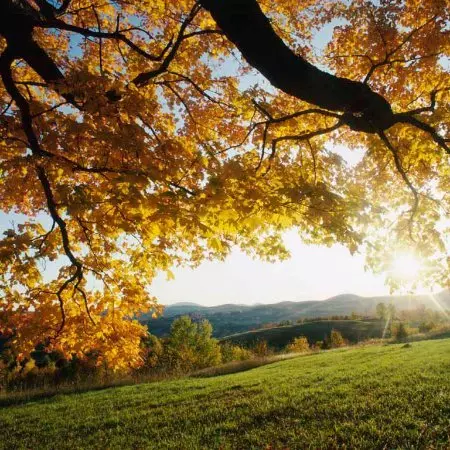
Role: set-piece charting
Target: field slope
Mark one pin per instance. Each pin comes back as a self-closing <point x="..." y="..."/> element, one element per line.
<point x="371" y="397"/>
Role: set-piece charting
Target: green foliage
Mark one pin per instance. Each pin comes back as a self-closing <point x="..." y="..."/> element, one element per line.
<point x="316" y="401"/>
<point x="381" y="311"/>
<point x="232" y="352"/>
<point x="427" y="326"/>
<point x="401" y="332"/>
<point x="153" y="351"/>
<point x="190" y="345"/>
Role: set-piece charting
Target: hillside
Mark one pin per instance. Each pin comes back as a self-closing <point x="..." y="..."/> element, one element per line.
<point x="278" y="337"/>
<point x="369" y="397"/>
<point x="230" y="318"/>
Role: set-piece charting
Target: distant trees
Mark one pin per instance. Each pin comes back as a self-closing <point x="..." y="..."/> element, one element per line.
<point x="188" y="348"/>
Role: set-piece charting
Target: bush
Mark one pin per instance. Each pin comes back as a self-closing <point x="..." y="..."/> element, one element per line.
<point x="153" y="351"/>
<point x="232" y="353"/>
<point x="261" y="349"/>
<point x="190" y="346"/>
<point x="298" y="345"/>
<point x="426" y="327"/>
<point x="401" y="332"/>
<point x="334" y="340"/>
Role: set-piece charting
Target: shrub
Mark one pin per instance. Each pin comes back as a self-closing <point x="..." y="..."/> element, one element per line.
<point x="401" y="333"/>
<point x="232" y="352"/>
<point x="261" y="349"/>
<point x="426" y="327"/>
<point x="190" y="346"/>
<point x="334" y="340"/>
<point x="153" y="351"/>
<point x="298" y="345"/>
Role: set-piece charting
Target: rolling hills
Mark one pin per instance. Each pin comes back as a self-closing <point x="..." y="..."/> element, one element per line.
<point x="388" y="396"/>
<point x="278" y="337"/>
<point x="232" y="318"/>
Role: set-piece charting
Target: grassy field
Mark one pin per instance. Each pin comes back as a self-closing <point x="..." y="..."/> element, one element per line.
<point x="278" y="337"/>
<point x="386" y="396"/>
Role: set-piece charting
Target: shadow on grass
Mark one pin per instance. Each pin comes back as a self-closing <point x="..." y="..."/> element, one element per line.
<point x="243" y="366"/>
<point x="22" y="396"/>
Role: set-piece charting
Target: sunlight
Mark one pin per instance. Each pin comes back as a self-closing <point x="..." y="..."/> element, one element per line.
<point x="406" y="266"/>
<point x="439" y="306"/>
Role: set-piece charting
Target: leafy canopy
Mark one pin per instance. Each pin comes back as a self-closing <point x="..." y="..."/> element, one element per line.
<point x="137" y="135"/>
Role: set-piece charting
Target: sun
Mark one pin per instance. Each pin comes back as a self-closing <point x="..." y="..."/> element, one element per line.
<point x="406" y="266"/>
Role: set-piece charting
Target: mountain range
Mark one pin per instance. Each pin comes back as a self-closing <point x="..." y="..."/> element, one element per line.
<point x="234" y="318"/>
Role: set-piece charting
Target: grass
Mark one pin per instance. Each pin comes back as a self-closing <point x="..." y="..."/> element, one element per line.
<point x="368" y="397"/>
<point x="241" y="366"/>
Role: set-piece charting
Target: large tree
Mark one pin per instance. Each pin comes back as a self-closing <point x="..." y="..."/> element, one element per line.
<point x="139" y="134"/>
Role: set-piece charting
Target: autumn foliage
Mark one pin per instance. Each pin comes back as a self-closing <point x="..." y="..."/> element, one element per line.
<point x="137" y="135"/>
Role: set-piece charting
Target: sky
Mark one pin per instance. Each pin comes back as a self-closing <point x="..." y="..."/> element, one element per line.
<point x="312" y="273"/>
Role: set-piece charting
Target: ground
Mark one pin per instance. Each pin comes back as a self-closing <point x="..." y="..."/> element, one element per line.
<point x="385" y="396"/>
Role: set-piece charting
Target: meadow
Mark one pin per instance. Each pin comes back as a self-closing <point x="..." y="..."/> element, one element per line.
<point x="379" y="396"/>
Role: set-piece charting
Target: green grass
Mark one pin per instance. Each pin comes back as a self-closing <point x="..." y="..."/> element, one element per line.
<point x="279" y="337"/>
<point x="367" y="397"/>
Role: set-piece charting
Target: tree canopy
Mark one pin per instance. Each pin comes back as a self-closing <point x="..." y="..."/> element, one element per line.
<point x="136" y="135"/>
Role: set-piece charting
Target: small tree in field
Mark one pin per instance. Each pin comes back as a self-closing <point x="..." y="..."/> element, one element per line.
<point x="401" y="333"/>
<point x="335" y="340"/>
<point x="190" y="345"/>
<point x="261" y="349"/>
<point x="232" y="352"/>
<point x="153" y="351"/>
<point x="381" y="311"/>
<point x="298" y="345"/>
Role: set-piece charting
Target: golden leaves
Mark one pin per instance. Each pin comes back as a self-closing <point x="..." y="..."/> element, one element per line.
<point x="183" y="169"/>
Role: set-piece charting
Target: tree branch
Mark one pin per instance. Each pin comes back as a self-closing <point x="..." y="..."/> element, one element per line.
<point x="250" y="30"/>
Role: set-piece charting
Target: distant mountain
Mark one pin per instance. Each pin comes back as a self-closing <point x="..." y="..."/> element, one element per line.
<point x="231" y="318"/>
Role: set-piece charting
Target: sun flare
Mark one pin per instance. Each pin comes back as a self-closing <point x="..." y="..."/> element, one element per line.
<point x="406" y="266"/>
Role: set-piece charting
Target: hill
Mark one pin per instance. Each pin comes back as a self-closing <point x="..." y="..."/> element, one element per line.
<point x="231" y="318"/>
<point x="368" y="397"/>
<point x="278" y="337"/>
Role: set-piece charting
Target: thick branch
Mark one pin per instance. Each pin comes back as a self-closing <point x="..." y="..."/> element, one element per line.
<point x="243" y="22"/>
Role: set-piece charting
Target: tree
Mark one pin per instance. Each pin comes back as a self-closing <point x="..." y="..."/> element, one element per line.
<point x="260" y="348"/>
<point x="382" y="311"/>
<point x="190" y="345"/>
<point x="232" y="352"/>
<point x="298" y="345"/>
<point x="334" y="340"/>
<point x="401" y="332"/>
<point x="153" y="351"/>
<point x="136" y="135"/>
